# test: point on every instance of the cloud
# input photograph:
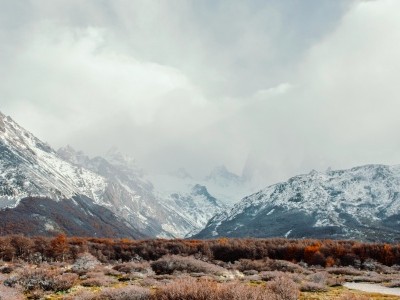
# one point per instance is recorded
(198, 84)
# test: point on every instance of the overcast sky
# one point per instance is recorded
(282, 86)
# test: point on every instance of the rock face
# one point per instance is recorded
(31, 169)
(361, 203)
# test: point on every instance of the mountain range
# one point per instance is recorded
(45, 192)
(32, 172)
(361, 203)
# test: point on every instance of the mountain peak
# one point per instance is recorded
(116, 157)
(223, 177)
(71, 155)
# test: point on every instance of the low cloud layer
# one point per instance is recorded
(272, 87)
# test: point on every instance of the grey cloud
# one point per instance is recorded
(286, 86)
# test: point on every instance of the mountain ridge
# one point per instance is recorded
(359, 203)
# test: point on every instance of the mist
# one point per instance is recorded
(273, 88)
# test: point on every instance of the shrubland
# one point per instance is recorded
(278, 269)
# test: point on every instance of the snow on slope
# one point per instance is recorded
(30, 167)
(362, 202)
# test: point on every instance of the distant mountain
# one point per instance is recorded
(196, 206)
(176, 213)
(361, 203)
(222, 177)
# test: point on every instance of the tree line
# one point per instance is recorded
(313, 252)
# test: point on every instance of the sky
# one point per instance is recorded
(268, 88)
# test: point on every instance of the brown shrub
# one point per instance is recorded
(268, 265)
(284, 288)
(172, 263)
(98, 279)
(37, 279)
(84, 263)
(131, 267)
(312, 287)
(344, 271)
(192, 289)
(131, 292)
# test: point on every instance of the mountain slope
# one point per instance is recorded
(360, 203)
(174, 213)
(32, 172)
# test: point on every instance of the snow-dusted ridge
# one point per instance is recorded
(362, 202)
(30, 167)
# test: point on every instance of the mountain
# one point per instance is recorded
(196, 206)
(361, 203)
(38, 184)
(32, 172)
(222, 177)
(158, 213)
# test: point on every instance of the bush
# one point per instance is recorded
(312, 287)
(132, 267)
(172, 263)
(268, 265)
(85, 262)
(284, 288)
(97, 279)
(46, 280)
(344, 271)
(192, 289)
(126, 293)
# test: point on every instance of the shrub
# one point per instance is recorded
(312, 287)
(172, 263)
(131, 292)
(344, 271)
(85, 262)
(268, 265)
(37, 279)
(284, 288)
(192, 289)
(46, 280)
(97, 279)
(131, 267)
(64, 282)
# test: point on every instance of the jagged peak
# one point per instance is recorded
(116, 157)
(222, 176)
(76, 157)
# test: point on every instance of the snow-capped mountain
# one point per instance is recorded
(361, 203)
(31, 169)
(172, 213)
(222, 177)
(32, 172)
